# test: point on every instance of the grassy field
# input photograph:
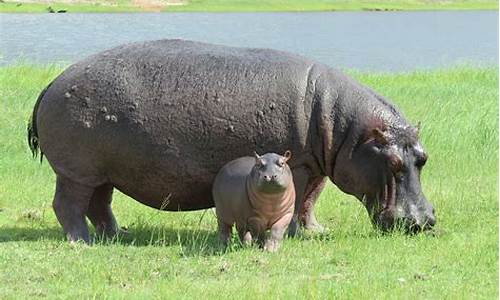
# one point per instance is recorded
(243, 5)
(175, 255)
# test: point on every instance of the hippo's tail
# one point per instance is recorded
(33, 141)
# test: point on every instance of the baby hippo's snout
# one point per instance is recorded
(269, 178)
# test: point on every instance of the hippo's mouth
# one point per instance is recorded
(271, 187)
(389, 194)
(382, 205)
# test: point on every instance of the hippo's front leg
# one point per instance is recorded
(306, 215)
(300, 180)
(257, 229)
(277, 230)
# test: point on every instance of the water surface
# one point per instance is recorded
(384, 41)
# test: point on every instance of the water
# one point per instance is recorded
(383, 41)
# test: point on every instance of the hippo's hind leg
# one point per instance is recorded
(70, 204)
(99, 211)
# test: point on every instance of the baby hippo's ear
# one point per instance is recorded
(258, 160)
(287, 155)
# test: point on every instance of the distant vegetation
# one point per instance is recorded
(238, 5)
(170, 255)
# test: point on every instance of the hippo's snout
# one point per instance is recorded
(271, 178)
(413, 221)
(430, 219)
(419, 221)
(414, 225)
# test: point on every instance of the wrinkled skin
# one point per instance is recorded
(157, 120)
(388, 167)
(256, 194)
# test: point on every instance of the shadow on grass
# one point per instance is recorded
(190, 242)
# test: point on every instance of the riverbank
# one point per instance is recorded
(99, 6)
(175, 255)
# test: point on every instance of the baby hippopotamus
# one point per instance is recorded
(257, 193)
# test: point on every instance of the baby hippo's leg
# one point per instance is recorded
(244, 234)
(277, 230)
(256, 226)
(224, 232)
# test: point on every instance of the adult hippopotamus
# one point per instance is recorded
(158, 119)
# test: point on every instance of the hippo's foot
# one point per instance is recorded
(311, 226)
(70, 204)
(314, 227)
(105, 232)
(244, 234)
(100, 214)
(309, 223)
(272, 245)
(246, 239)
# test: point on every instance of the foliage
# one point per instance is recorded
(176, 255)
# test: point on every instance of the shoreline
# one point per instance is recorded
(227, 6)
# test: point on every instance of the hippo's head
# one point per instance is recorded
(271, 173)
(382, 169)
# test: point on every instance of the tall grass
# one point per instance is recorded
(175, 255)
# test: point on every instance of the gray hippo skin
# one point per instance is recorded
(256, 193)
(157, 120)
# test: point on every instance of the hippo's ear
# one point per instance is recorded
(417, 128)
(379, 136)
(258, 160)
(287, 155)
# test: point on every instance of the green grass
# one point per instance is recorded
(256, 5)
(102, 6)
(330, 5)
(175, 255)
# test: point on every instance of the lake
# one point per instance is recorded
(381, 41)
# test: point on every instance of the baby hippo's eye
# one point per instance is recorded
(281, 163)
(260, 163)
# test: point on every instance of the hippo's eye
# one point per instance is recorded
(281, 163)
(396, 163)
(260, 164)
(420, 162)
(399, 175)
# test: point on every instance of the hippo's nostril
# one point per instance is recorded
(267, 178)
(431, 221)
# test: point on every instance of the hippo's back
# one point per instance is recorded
(159, 119)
